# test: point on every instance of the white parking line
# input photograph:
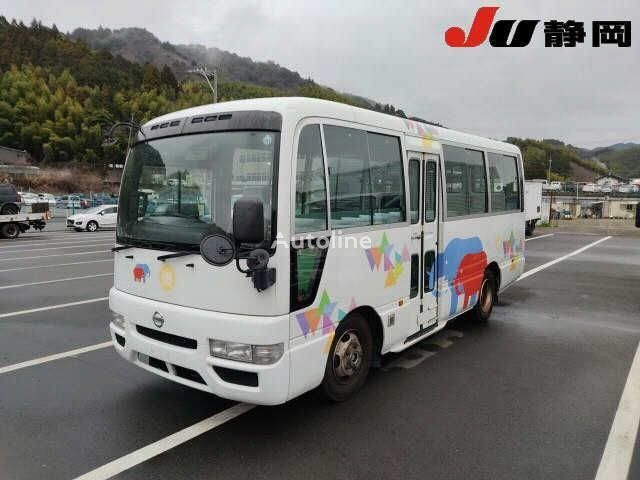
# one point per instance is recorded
(528, 273)
(5, 287)
(618, 452)
(76, 245)
(50, 358)
(52, 307)
(52, 241)
(541, 236)
(145, 453)
(54, 265)
(56, 255)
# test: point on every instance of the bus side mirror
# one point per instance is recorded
(638, 215)
(248, 220)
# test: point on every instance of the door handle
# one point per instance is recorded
(416, 236)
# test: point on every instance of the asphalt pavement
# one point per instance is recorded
(531, 394)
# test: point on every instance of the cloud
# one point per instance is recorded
(393, 51)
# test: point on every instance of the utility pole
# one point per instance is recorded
(549, 174)
(204, 72)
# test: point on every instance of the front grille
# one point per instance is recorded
(169, 338)
(188, 374)
(153, 362)
(69, 223)
(120, 339)
(237, 377)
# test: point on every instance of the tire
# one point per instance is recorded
(9, 230)
(10, 209)
(92, 226)
(486, 298)
(528, 231)
(349, 359)
(78, 229)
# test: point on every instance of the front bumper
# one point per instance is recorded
(187, 359)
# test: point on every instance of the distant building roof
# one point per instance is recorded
(611, 175)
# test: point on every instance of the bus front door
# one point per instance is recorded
(423, 186)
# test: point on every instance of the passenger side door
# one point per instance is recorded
(423, 216)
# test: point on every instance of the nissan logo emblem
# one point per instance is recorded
(158, 319)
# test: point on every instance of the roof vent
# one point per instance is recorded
(196, 120)
(164, 125)
(175, 123)
(210, 118)
(226, 116)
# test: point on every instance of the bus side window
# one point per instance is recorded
(504, 182)
(415, 275)
(466, 181)
(430, 185)
(429, 271)
(414, 190)
(311, 192)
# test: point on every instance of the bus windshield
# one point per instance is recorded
(175, 191)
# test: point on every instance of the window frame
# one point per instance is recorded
(490, 213)
(403, 158)
(293, 172)
(515, 157)
(294, 167)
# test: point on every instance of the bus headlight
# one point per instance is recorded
(243, 352)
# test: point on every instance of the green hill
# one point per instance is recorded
(566, 163)
(58, 94)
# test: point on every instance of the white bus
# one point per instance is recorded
(290, 242)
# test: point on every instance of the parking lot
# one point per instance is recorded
(532, 394)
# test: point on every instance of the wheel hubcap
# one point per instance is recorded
(347, 356)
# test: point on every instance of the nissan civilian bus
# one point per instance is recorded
(268, 247)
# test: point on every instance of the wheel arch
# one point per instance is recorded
(495, 269)
(375, 324)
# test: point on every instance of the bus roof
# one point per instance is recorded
(297, 108)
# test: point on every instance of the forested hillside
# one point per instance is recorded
(565, 161)
(141, 46)
(58, 94)
(623, 161)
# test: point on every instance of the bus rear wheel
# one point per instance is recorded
(349, 359)
(486, 297)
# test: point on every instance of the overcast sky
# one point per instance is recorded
(394, 51)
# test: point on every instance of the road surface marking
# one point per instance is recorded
(618, 452)
(541, 236)
(56, 255)
(121, 464)
(54, 265)
(77, 245)
(52, 307)
(528, 273)
(17, 285)
(51, 241)
(50, 358)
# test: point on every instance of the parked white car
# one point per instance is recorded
(105, 216)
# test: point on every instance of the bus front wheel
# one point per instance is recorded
(486, 298)
(349, 359)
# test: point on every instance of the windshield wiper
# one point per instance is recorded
(162, 258)
(121, 247)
